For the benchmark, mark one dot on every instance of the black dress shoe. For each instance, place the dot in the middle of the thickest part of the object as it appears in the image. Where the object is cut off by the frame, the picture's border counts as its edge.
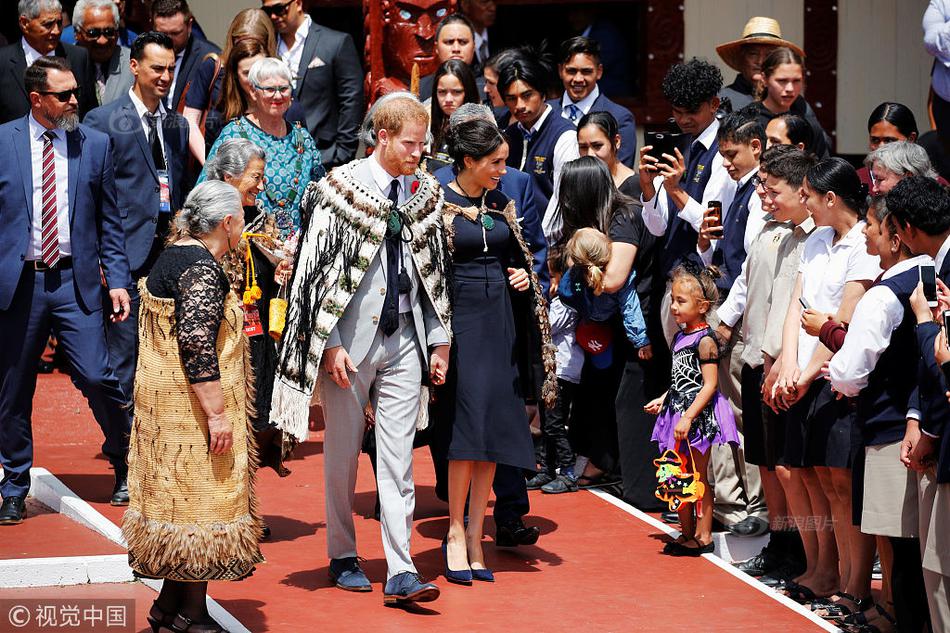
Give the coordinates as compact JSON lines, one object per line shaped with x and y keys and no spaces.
{"x":120,"y":493}
{"x":749,"y":526}
{"x":765,"y":562}
{"x":515,"y":534}
{"x":12,"y":511}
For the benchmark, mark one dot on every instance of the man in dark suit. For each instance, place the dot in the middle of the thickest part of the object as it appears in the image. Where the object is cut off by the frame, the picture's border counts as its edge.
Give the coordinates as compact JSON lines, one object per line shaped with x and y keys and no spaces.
{"x":174,"y":19}
{"x":41,"y":23}
{"x":96,"y":25}
{"x":149,"y":146}
{"x":580,"y":70}
{"x":60,"y":235}
{"x":328,"y":78}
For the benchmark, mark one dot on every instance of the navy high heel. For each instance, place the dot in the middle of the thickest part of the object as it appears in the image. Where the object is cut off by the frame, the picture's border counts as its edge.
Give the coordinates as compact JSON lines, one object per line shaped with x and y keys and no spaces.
{"x":485,"y":575}
{"x":461,"y":577}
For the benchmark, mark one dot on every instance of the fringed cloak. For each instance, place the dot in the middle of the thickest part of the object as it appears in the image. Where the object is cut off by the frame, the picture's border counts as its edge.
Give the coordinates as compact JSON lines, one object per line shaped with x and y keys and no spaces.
{"x":345,"y":229}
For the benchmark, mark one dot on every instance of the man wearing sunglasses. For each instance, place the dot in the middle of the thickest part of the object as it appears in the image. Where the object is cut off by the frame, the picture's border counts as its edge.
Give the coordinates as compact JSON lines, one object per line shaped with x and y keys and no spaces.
{"x":125,"y":35}
{"x":328,"y":78}
{"x":96,"y":25}
{"x":62,"y":265}
{"x":174,"y":19}
{"x":41,"y":23}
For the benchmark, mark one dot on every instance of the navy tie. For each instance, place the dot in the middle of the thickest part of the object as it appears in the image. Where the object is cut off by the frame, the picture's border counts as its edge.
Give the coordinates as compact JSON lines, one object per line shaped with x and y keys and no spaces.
{"x":573,"y":112}
{"x":390,"y":316}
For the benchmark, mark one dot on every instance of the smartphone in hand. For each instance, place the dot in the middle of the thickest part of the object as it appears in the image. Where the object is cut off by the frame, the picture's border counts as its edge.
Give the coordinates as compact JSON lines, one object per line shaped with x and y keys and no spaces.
{"x":928,"y":277}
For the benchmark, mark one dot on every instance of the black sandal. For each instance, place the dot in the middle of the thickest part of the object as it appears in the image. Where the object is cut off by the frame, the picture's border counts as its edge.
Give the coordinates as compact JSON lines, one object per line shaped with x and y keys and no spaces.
{"x":183,"y":624}
{"x":799,"y":593}
{"x":835,"y":610}
{"x":870,"y":628}
{"x":158,"y":618}
{"x":860,"y":619}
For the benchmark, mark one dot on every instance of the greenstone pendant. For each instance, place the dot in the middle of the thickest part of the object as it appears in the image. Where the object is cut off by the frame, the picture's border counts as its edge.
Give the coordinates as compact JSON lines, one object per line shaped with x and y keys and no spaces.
{"x":394,"y":225}
{"x":488,"y":222}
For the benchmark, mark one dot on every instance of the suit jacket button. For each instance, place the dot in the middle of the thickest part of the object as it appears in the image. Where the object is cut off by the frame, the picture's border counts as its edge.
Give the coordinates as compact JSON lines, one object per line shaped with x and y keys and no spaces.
{"x":375,"y":320}
{"x":157,"y":189}
{"x":154,"y":220}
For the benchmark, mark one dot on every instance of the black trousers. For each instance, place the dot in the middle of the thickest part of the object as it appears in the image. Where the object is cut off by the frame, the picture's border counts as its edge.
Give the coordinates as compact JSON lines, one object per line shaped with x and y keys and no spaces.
{"x":907,"y":583}
{"x":553,"y":448}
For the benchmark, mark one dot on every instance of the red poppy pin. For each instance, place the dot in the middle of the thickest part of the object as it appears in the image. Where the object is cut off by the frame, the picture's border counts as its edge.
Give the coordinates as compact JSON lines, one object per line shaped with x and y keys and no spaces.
{"x":414,"y":187}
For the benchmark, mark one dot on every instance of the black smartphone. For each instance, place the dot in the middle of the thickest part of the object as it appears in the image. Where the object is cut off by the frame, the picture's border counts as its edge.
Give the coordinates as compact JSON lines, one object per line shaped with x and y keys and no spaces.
{"x":928,"y":277}
{"x":662,"y":142}
{"x":804,"y":303}
{"x":946,"y":325}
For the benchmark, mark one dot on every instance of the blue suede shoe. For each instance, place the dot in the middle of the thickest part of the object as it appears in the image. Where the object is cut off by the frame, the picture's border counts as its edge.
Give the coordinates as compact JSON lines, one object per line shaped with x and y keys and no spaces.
{"x":484,"y":575}
{"x":408,"y":587}
{"x":347,"y":575}
{"x":460,"y":577}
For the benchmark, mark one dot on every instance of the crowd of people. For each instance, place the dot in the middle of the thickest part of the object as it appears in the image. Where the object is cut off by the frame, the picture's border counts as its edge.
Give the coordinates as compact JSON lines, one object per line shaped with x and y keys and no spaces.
{"x":502,"y":275}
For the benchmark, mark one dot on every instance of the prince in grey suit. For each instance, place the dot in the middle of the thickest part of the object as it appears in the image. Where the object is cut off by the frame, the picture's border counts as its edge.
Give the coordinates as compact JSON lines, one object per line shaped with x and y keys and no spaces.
{"x":369,"y":314}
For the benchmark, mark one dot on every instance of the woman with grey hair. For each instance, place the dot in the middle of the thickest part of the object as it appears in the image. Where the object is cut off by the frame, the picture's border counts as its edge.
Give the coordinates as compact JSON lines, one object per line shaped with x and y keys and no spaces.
{"x":192,"y":513}
{"x":293,"y":160}
{"x":240,"y":163}
{"x":892,"y":162}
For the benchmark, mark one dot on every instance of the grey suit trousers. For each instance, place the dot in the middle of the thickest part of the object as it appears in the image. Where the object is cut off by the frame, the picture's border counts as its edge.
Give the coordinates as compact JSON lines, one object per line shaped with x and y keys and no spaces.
{"x":390,"y":375}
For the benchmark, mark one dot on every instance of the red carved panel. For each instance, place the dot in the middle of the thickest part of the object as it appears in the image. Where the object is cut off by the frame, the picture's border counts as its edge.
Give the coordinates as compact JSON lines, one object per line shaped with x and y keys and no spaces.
{"x":821,"y":47}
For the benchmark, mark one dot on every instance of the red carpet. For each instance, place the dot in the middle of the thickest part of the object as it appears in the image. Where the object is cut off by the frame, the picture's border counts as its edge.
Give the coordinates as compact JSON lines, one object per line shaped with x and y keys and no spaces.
{"x":595,"y":568}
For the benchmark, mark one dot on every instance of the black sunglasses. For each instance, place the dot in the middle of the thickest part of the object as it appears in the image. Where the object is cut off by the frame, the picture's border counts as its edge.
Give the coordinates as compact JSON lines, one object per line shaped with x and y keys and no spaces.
{"x":276,"y":10}
{"x":64,"y":95}
{"x":95,"y":34}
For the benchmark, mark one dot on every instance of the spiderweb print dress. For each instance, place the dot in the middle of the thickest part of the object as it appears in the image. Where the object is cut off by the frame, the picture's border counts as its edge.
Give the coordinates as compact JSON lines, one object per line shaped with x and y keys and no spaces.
{"x":716,"y":424}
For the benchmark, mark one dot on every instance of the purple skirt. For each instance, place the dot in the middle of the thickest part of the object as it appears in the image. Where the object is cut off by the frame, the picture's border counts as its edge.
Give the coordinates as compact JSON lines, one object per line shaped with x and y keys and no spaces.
{"x":718,"y":428}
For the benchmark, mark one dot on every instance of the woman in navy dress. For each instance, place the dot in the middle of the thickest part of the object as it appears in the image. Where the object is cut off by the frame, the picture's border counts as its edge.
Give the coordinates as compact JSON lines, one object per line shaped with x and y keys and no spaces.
{"x":481,"y":409}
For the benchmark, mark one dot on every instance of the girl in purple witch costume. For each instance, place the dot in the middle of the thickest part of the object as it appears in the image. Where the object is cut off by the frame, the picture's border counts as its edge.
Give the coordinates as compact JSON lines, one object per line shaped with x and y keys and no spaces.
{"x":693,"y":409}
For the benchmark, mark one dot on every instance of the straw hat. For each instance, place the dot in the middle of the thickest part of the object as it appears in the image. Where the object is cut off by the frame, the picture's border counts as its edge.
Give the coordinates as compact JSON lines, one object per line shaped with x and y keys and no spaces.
{"x":757,"y":30}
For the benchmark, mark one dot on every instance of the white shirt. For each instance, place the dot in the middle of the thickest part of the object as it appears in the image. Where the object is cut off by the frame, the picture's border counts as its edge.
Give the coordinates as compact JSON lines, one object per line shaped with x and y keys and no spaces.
{"x":565,"y":150}
{"x":942,"y":254}
{"x":584,"y":105}
{"x":656,"y":213}
{"x":877,"y":315}
{"x":31,"y":53}
{"x":291,"y":55}
{"x":171,"y":89}
{"x":61,"y":165}
{"x":757,"y":218}
{"x":142,"y":111}
{"x":734,"y":306}
{"x":936,"y":25}
{"x":383,"y":182}
{"x":825,"y":268}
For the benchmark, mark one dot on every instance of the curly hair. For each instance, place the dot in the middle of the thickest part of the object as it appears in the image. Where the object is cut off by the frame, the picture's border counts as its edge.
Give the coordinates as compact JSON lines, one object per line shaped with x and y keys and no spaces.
{"x":922,"y":203}
{"x":690,"y":84}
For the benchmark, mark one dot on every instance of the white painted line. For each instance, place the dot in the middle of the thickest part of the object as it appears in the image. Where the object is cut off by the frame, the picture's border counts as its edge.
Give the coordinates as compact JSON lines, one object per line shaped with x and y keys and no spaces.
{"x":65,"y":570}
{"x":53,"y":493}
{"x":728,"y":568}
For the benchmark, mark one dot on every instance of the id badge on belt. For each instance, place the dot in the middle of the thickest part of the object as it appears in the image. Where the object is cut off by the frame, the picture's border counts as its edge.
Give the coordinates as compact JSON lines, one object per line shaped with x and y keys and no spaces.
{"x":164,"y":192}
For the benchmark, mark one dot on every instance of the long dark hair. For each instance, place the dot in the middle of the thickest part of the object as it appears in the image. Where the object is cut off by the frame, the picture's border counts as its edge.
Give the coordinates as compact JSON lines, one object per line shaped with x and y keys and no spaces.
{"x":837,"y":175}
{"x":898,"y":115}
{"x":606,"y":123}
{"x":475,"y":138}
{"x":587,"y":197}
{"x":439,"y":121}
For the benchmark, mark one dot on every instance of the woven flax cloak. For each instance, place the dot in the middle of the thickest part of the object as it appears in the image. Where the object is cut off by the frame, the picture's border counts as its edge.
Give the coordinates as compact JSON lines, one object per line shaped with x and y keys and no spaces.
{"x":344,"y":231}
{"x":192,"y":515}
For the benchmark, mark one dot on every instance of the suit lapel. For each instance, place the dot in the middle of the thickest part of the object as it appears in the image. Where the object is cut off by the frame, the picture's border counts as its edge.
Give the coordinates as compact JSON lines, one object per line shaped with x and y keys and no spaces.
{"x":74,"y":141}
{"x":187,"y":61}
{"x":18,"y":62}
{"x":135,"y":126}
{"x":309,"y":49}
{"x":21,"y":141}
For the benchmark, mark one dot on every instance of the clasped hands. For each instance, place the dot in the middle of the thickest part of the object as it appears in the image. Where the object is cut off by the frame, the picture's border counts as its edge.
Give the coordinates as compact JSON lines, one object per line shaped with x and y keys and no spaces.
{"x":338,"y":364}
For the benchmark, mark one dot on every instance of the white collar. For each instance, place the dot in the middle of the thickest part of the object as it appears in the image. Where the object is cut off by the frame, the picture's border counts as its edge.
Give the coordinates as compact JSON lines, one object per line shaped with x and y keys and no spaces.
{"x":140,"y":108}
{"x":585,"y":104}
{"x":31,"y":53}
{"x":854,"y":235}
{"x":742,"y":181}
{"x":942,"y":253}
{"x":907,"y":264}
{"x":708,"y":136}
{"x":537,"y":124}
{"x":480,"y":37}
{"x":382,"y":178}
{"x":37,"y":130}
{"x":303,"y":30}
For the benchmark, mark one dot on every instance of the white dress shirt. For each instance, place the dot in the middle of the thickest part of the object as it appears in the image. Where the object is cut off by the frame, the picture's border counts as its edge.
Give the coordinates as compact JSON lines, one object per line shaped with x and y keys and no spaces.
{"x":584,"y":105}
{"x":481,"y":38}
{"x":292,"y":54}
{"x":877,"y":315}
{"x":31,"y":53}
{"x":942,"y":254}
{"x":825,"y":268}
{"x":757,"y":218}
{"x":142,"y":111}
{"x":171,"y":89}
{"x":383,"y":182}
{"x":61,"y":165}
{"x":565,"y":150}
{"x":936,"y":25}
{"x":656,"y":213}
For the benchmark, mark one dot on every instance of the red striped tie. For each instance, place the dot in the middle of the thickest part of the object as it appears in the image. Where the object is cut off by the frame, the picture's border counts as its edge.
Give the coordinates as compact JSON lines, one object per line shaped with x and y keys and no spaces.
{"x":49,"y":251}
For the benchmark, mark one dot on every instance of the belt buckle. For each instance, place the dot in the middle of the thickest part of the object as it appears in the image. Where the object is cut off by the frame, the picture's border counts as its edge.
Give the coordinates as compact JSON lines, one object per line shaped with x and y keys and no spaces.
{"x":39,"y":266}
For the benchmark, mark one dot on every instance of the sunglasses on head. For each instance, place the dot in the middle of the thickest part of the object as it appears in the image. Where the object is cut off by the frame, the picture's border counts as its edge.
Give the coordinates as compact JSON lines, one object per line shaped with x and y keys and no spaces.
{"x":95,"y":34}
{"x":277,"y":10}
{"x":63,"y":95}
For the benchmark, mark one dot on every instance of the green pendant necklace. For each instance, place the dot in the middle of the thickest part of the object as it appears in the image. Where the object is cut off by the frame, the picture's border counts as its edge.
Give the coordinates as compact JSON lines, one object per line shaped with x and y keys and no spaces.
{"x":487,"y":222}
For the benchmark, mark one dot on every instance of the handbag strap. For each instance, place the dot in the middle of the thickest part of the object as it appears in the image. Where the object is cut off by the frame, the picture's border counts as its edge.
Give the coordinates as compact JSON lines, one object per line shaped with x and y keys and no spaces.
{"x":214,"y":79}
